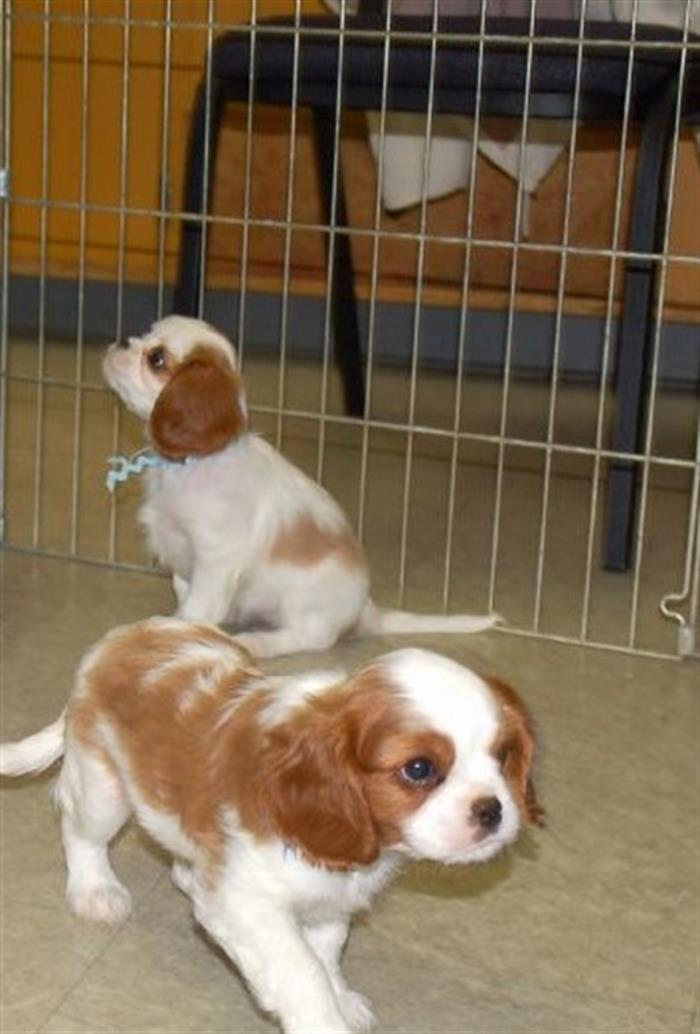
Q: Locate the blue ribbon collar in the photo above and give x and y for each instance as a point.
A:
(124, 466)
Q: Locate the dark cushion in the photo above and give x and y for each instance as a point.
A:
(605, 54)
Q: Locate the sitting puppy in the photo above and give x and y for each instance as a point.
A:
(251, 541)
(287, 802)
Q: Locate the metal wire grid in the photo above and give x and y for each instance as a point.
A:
(89, 17)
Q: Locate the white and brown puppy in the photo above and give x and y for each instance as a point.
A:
(287, 802)
(250, 540)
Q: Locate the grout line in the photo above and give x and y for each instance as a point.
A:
(112, 937)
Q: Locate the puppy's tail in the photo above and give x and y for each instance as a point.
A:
(35, 753)
(384, 621)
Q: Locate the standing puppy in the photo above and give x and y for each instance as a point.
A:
(250, 540)
(287, 802)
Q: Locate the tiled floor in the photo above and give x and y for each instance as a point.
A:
(590, 925)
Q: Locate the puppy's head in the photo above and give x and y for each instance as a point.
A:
(181, 378)
(415, 753)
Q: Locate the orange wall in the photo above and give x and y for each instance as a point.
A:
(135, 240)
(103, 117)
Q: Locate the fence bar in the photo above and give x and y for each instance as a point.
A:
(41, 337)
(247, 188)
(517, 234)
(464, 311)
(415, 344)
(289, 207)
(558, 328)
(374, 279)
(656, 347)
(165, 199)
(607, 339)
(82, 245)
(330, 251)
(537, 247)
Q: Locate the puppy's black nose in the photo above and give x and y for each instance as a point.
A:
(487, 812)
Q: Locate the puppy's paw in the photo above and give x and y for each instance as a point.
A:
(357, 1010)
(100, 903)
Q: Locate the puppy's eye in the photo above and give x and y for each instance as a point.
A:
(156, 358)
(418, 771)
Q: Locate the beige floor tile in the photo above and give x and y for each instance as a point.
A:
(52, 612)
(58, 1024)
(695, 1024)
(45, 953)
(31, 847)
(413, 995)
(161, 975)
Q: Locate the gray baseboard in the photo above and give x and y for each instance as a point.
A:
(581, 347)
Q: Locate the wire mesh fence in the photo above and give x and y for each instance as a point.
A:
(488, 311)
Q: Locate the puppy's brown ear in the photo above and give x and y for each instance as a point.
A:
(515, 749)
(315, 798)
(200, 409)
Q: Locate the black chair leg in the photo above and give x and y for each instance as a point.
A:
(635, 334)
(192, 264)
(346, 330)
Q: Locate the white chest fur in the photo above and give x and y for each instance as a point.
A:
(280, 873)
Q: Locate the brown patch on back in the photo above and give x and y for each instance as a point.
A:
(515, 749)
(83, 716)
(166, 722)
(305, 544)
(199, 410)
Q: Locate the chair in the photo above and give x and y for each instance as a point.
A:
(604, 73)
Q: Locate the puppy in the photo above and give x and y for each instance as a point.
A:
(287, 802)
(250, 540)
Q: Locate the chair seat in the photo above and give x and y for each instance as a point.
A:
(605, 49)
